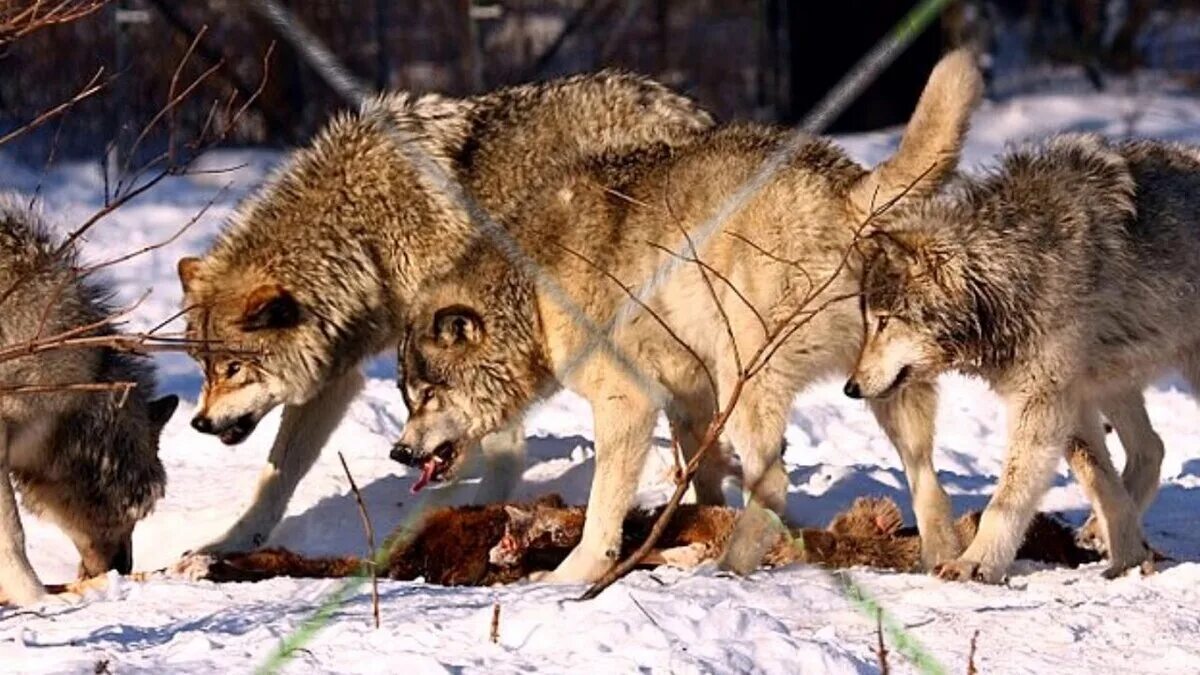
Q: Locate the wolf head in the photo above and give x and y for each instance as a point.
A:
(105, 474)
(466, 371)
(133, 442)
(924, 307)
(254, 325)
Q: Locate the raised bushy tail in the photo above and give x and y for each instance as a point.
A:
(932, 142)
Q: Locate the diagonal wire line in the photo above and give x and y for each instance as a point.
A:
(440, 181)
(354, 92)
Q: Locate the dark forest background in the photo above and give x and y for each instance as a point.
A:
(760, 59)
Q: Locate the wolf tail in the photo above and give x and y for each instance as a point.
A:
(932, 142)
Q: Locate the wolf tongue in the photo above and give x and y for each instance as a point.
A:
(427, 470)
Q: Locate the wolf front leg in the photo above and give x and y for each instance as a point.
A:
(1039, 426)
(624, 429)
(18, 582)
(908, 418)
(302, 434)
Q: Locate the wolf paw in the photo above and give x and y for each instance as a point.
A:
(1141, 557)
(968, 570)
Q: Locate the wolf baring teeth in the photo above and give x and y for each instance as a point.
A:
(316, 269)
(487, 339)
(1067, 279)
(86, 461)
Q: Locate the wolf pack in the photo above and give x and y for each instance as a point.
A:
(588, 245)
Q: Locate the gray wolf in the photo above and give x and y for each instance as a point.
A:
(317, 268)
(487, 339)
(86, 461)
(1065, 278)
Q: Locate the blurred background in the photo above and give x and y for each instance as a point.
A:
(761, 59)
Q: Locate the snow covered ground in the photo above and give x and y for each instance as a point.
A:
(792, 620)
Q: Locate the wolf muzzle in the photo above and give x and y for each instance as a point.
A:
(852, 389)
(404, 454)
(230, 432)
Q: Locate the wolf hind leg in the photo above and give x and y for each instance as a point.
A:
(755, 429)
(503, 464)
(690, 416)
(908, 419)
(1143, 456)
(1117, 516)
(18, 582)
(302, 434)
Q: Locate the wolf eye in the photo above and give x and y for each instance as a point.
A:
(427, 395)
(232, 369)
(882, 322)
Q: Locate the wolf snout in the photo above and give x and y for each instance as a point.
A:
(202, 424)
(404, 454)
(852, 389)
(230, 431)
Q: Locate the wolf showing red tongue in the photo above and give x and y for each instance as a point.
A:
(428, 470)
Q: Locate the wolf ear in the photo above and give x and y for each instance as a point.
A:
(188, 269)
(457, 325)
(161, 410)
(270, 306)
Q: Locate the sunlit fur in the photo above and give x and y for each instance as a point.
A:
(347, 232)
(604, 217)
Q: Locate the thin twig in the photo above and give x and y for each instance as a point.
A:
(124, 386)
(798, 318)
(762, 321)
(14, 26)
(880, 650)
(92, 269)
(712, 382)
(971, 670)
(94, 85)
(173, 100)
(495, 633)
(369, 561)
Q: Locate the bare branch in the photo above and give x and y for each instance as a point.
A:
(712, 382)
(173, 100)
(881, 651)
(804, 312)
(122, 386)
(17, 23)
(369, 529)
(93, 86)
(723, 279)
(495, 632)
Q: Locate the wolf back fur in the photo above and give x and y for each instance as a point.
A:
(1067, 279)
(319, 266)
(86, 461)
(487, 340)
